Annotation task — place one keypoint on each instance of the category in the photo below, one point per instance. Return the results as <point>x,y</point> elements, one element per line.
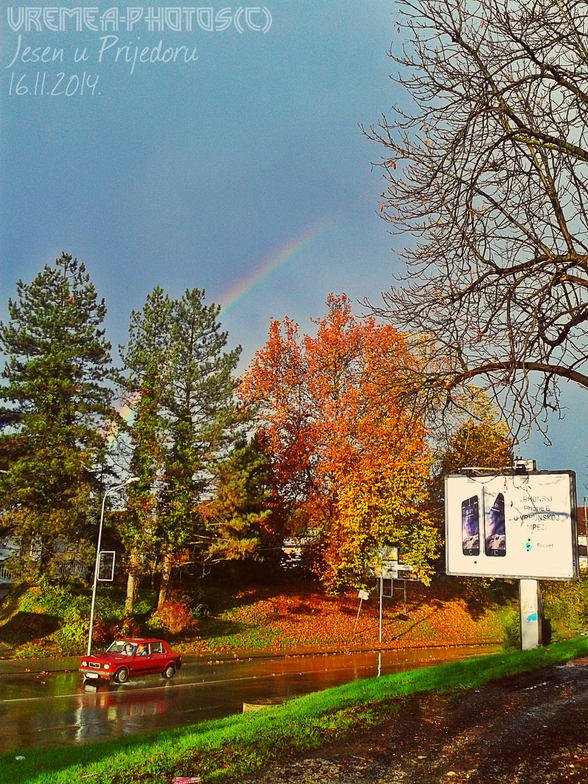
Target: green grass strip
<point>227,748</point>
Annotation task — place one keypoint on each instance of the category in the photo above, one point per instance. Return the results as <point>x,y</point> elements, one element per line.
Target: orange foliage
<point>305,618</point>
<point>174,616</point>
<point>345,450</point>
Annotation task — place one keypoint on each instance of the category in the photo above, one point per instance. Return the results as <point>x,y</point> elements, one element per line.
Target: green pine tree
<point>203,423</point>
<point>238,514</point>
<point>179,382</point>
<point>145,388</point>
<point>56,408</point>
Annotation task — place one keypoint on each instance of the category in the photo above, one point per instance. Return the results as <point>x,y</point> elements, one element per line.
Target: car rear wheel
<point>169,671</point>
<point>122,675</point>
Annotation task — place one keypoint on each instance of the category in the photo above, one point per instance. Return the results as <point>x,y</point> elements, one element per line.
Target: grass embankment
<point>303,616</point>
<point>52,620</point>
<point>223,749</point>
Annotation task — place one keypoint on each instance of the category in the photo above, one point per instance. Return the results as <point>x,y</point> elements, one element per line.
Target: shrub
<point>174,617</point>
<point>566,603</point>
<point>58,617</point>
<point>511,631</point>
<point>73,634</point>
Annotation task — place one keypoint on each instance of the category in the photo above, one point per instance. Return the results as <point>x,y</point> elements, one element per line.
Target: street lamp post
<point>97,563</point>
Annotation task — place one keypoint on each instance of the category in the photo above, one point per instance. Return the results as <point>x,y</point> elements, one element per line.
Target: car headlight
<point>106,666</point>
<point>84,664</point>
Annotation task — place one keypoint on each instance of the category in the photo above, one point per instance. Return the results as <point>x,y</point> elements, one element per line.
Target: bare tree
<point>488,171</point>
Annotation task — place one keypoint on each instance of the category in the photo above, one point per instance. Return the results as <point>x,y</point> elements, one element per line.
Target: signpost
<point>387,565</point>
<point>99,553</point>
<point>363,596</point>
<point>107,565</point>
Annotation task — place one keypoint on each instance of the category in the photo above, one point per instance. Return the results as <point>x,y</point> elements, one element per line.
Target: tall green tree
<point>236,517</point>
<point>56,404</point>
<point>145,388</point>
<point>203,422</point>
<point>180,385</point>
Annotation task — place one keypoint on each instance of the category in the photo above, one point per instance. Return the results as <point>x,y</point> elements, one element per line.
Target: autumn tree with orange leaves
<point>346,454</point>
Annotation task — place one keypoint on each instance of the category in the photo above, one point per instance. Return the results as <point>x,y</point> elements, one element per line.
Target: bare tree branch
<point>488,173</point>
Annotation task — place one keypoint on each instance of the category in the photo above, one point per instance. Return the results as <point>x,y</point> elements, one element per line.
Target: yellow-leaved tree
<point>346,453</point>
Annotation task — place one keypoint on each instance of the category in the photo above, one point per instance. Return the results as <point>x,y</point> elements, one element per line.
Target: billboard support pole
<point>381,600</point>
<point>530,614</point>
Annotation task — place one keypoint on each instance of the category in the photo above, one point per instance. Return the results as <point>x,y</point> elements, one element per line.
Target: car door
<point>159,657</point>
<point>141,662</point>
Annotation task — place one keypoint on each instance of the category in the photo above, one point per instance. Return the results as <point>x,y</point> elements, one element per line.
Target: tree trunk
<point>164,582</point>
<point>132,583</point>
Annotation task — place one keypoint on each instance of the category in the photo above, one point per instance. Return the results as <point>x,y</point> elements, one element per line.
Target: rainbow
<point>125,412</point>
<point>273,262</point>
<point>230,298</point>
<point>113,427</point>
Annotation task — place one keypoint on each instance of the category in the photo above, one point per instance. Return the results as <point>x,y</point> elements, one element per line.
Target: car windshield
<point>121,646</point>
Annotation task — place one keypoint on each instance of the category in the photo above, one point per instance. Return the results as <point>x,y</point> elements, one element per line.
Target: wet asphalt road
<point>45,703</point>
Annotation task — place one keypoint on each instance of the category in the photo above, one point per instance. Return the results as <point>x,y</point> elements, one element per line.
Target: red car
<point>127,657</point>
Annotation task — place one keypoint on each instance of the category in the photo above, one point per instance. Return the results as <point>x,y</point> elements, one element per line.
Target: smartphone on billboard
<point>470,526</point>
<point>494,524</point>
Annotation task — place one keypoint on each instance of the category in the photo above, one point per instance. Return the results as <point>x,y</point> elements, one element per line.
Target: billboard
<point>512,525</point>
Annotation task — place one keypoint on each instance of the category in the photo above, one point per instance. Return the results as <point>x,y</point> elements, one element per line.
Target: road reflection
<point>128,710</point>
<point>51,708</point>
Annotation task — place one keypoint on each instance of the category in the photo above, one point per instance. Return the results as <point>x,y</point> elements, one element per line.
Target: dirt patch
<point>528,729</point>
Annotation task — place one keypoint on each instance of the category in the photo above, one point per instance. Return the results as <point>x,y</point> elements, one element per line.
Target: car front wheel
<point>122,675</point>
<point>169,671</point>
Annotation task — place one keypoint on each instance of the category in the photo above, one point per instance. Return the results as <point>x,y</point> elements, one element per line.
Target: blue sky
<point>203,173</point>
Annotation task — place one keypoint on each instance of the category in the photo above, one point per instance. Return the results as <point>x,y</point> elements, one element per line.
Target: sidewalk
<point>17,666</point>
